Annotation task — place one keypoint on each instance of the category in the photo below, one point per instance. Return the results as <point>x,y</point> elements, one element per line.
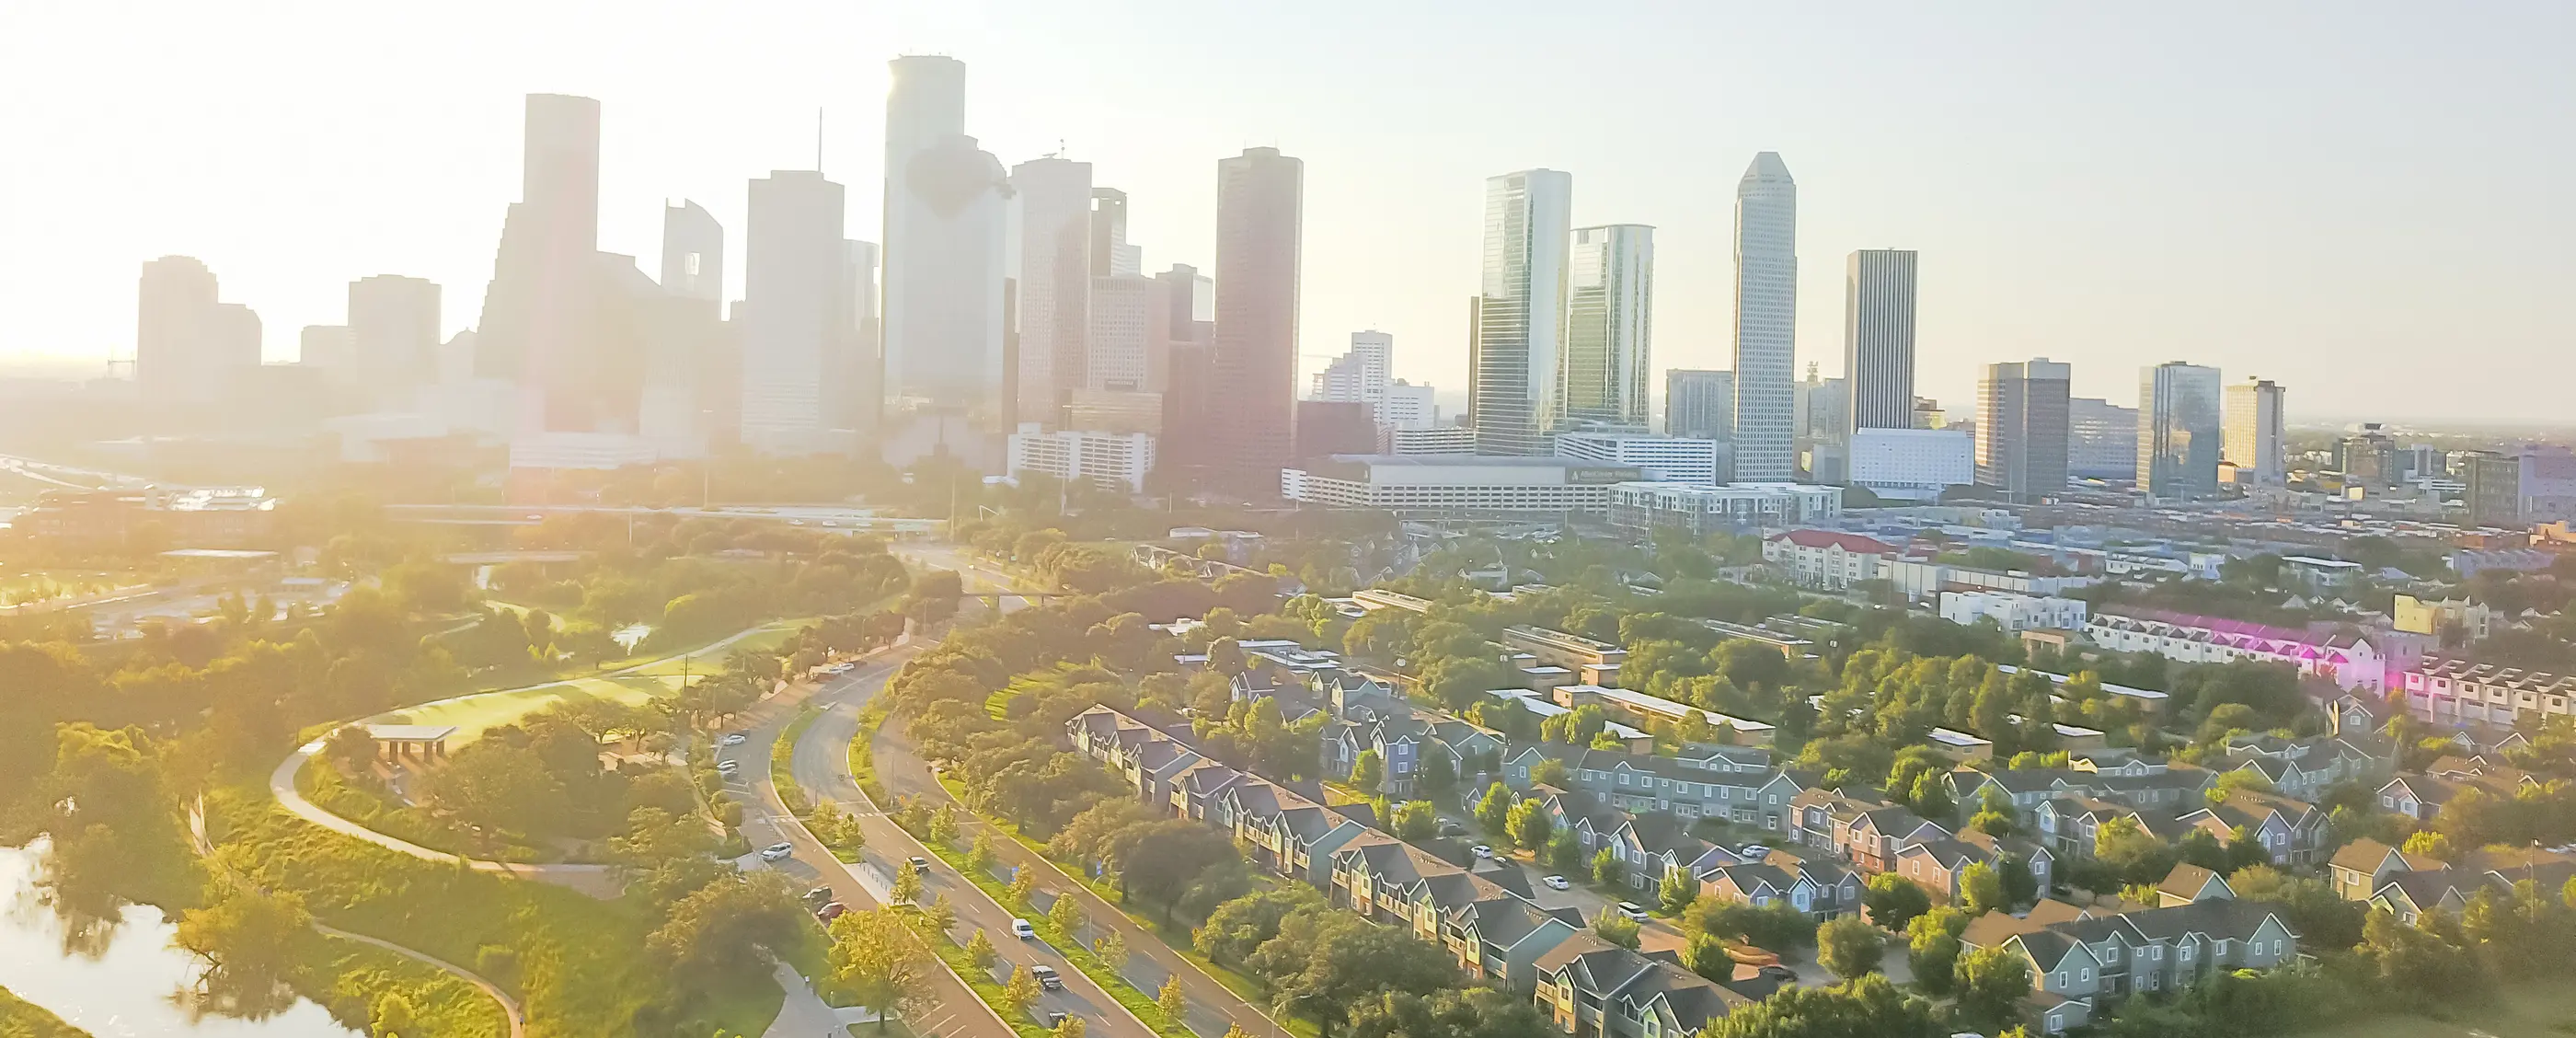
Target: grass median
<point>1069,945</point>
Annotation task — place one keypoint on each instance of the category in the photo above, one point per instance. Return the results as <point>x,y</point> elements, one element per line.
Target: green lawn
<point>347,977</point>
<point>2532,1009</point>
<point>1074,951</point>
<point>477,713</point>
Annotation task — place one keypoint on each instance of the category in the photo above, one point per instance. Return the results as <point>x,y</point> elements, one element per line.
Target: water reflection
<point>112,970</point>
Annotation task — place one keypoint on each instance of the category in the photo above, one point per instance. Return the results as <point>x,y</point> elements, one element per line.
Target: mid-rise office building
<point>1670,459</point>
<point>2179,430</point>
<point>1699,510</point>
<point>1823,410</point>
<point>393,338</point>
<point>1513,345</point>
<point>1912,464</point>
<point>1260,203</point>
<point>1431,440</point>
<point>946,212</point>
<point>1117,461</point>
<point>1407,406</point>
<point>2523,487</point>
<point>2254,437</point>
<point>1766,320</point>
<point>1458,484</point>
<point>2101,439</point>
<point>1878,338</point>
<point>188,346</point>
<point>2368,457</point>
<point>2022,428</point>
<point>1609,325</point>
<point>1699,403</point>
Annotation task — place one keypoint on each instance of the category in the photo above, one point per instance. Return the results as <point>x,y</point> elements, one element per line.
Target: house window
<point>2059,979</point>
<point>2088,974</point>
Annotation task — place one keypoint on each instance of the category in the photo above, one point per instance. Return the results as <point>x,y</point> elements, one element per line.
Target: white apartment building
<point>1115,460</point>
<point>1430,441</point>
<point>1664,459</point>
<point>2350,661</point>
<point>2457,692</point>
<point>1359,375</point>
<point>1407,406</point>
<point>1455,483</point>
<point>1924,578</point>
<point>1912,464</point>
<point>1639,507</point>
<point>1827,559</point>
<point>2016,613</point>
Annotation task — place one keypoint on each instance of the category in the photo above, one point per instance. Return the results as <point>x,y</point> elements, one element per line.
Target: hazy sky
<point>2368,202</point>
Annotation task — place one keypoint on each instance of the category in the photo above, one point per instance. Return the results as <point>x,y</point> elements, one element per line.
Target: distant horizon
<point>2406,216</point>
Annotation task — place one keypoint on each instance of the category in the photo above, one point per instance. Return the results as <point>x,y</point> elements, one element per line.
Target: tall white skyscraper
<point>1605,371</point>
<point>1766,321</point>
<point>1053,199</point>
<point>2179,429</point>
<point>1878,338</point>
<point>1514,344</point>
<point>187,346</point>
<point>945,217</point>
<point>796,309</point>
<point>1359,376</point>
<point>393,338</point>
<point>2255,431</point>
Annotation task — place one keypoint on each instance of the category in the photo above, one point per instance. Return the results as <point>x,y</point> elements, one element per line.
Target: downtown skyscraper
<point>1699,404</point>
<point>1053,198</point>
<point>1766,321</point>
<point>945,345</point>
<point>1878,338</point>
<point>2179,430</point>
<point>1515,324</point>
<point>2022,428</point>
<point>2255,432</point>
<point>1260,221</point>
<point>798,322</point>
<point>188,346</point>
<point>1605,374</point>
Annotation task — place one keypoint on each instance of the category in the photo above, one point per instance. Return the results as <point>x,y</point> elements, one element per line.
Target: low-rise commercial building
<point>2015,613</point>
<point>1663,459</point>
<point>1597,662</point>
<point>1113,460</point>
<point>1454,484</point>
<point>1912,464</point>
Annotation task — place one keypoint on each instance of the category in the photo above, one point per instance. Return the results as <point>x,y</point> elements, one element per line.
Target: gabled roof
<point>1950,855</point>
<point>1504,921</point>
<point>2187,880</point>
<point>1850,542</point>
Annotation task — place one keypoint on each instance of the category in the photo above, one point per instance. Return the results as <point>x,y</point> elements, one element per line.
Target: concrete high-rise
<point>2255,432</point>
<point>1053,199</point>
<point>1111,256</point>
<point>1360,375</point>
<point>187,346</point>
<point>1515,338</point>
<point>1608,351</point>
<point>2101,439</point>
<point>1766,321</point>
<point>1188,299</point>
<point>692,253</point>
<point>796,309</point>
<point>2179,430</point>
<point>2022,428</point>
<point>1699,404</point>
<point>1260,203</point>
<point>1878,338</point>
<point>946,214</point>
<point>692,371</point>
<point>393,339</point>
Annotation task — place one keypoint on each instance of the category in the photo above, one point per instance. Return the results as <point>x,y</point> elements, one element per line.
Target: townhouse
<point>1828,559</point>
<point>2292,831</point>
<point>2070,825</point>
<point>1737,784</point>
<point>1591,988</point>
<point>2306,768</point>
<point>1501,938</point>
<point>2456,692</point>
<point>2080,966</point>
<point>2348,659</point>
<point>1811,883</point>
<point>2361,867</point>
<point>2134,783</point>
<point>1655,845</point>
<point>1940,865</point>
<point>1865,829</point>
<point>1289,834</point>
<point>2421,797</point>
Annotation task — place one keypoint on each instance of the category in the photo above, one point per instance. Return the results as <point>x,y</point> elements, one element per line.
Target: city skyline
<point>298,220</point>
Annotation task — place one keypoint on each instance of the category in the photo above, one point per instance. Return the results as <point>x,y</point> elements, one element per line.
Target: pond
<point>124,986</point>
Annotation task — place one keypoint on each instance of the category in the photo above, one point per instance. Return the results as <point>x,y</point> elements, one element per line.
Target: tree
<point>2430,844</point>
<point>1066,914</point>
<point>1112,950</point>
<point>980,948</point>
<point>943,826</point>
<point>1175,1005</point>
<point>729,930</point>
<point>1493,812</point>
<point>1849,947</point>
<point>1676,891</point>
<point>1933,947</point>
<point>1549,772</point>
<point>1023,886</point>
<point>2021,885</point>
<point>907,886</point>
<point>1238,928</point>
<point>1981,889</point>
<point>1990,982</point>
<point>1869,1006</point>
<point>1369,771</point>
<point>1071,1027</point>
<point>246,938</point>
<point>1325,962</point>
<point>1225,656</point>
<point>1931,798</point>
<point>979,858</point>
<point>2125,847</point>
<point>1019,993</point>
<point>392,1016</point>
<point>1416,820</point>
<point>1995,815</point>
<point>1616,929</point>
<point>1607,869</point>
<point>495,786</point>
<point>1530,826</point>
<point>1706,955</point>
<point>1893,901</point>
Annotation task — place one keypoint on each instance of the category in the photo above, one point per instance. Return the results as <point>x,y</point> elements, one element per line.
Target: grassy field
<point>347,977</point>
<point>2534,1009</point>
<point>20,1018</point>
<point>479,712</point>
<point>47,585</point>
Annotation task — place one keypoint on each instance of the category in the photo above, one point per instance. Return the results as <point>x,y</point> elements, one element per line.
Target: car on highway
<point>840,668</point>
<point>831,911</point>
<point>920,864</point>
<point>736,739</point>
<point>777,851</point>
<point>1021,929</point>
<point>1632,910</point>
<point>1054,1019</point>
<point>1556,883</point>
<point>1481,851</point>
<point>1047,979</point>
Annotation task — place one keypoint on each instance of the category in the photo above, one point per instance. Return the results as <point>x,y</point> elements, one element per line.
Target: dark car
<point>818,895</point>
<point>1046,977</point>
<point>920,864</point>
<point>830,912</point>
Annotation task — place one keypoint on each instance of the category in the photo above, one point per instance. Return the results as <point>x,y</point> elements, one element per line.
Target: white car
<point>777,852</point>
<point>736,739</point>
<point>728,767</point>
<point>1481,851</point>
<point>1021,929</point>
<point>1631,910</point>
<point>1556,883</point>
